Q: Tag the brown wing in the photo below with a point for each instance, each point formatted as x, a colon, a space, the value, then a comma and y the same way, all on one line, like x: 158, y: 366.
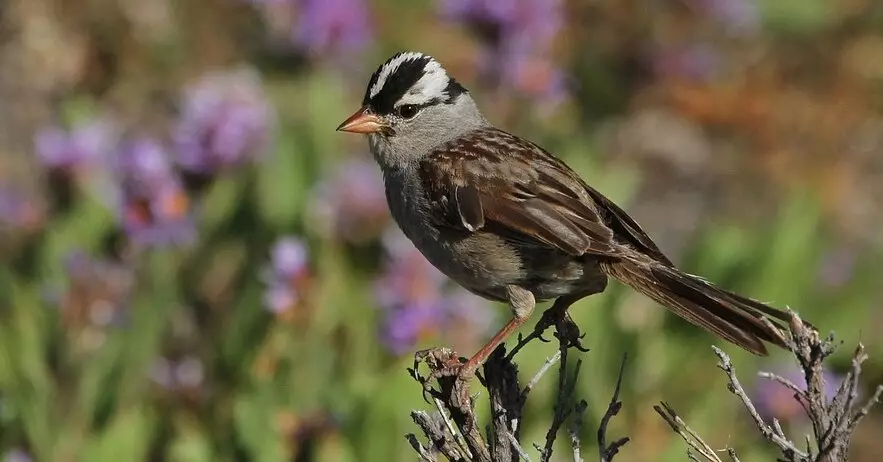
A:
x: 494, y: 180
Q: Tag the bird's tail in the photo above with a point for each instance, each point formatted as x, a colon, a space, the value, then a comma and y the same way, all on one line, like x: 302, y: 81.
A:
x: 726, y: 314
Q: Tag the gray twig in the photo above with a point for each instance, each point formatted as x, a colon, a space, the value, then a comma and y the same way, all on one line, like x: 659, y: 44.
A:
x: 450, y: 426
x: 563, y: 403
x: 693, y: 440
x: 833, y: 420
x: 425, y: 454
x: 774, y: 435
x: 605, y: 451
x: 576, y: 427
x: 517, y: 446
x: 540, y: 373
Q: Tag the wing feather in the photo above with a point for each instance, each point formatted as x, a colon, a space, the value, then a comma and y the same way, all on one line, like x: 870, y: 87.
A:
x: 492, y: 178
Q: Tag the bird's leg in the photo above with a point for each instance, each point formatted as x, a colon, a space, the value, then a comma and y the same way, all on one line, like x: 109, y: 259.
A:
x: 557, y: 315
x: 522, y: 303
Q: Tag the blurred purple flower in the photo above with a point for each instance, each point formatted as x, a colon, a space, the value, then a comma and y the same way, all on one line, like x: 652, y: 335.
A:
x: 226, y: 121
x: 103, y: 288
x: 17, y: 455
x: 519, y: 37
x: 740, y: 17
x: 287, y: 275
x: 17, y: 211
x: 84, y: 146
x: 470, y: 319
x: 406, y: 325
x: 153, y: 207
x: 418, y: 303
x: 351, y: 203
x: 322, y: 28
x: 332, y: 26
x: 94, y: 297
x: 774, y: 400
x: 408, y: 278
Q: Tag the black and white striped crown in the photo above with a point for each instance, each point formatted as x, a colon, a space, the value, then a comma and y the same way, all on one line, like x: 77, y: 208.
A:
x: 410, y: 78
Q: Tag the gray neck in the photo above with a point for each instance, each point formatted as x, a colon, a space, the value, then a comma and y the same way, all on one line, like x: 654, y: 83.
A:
x: 437, y: 125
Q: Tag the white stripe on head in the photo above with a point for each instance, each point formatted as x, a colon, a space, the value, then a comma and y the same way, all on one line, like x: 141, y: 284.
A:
x: 391, y: 67
x: 431, y: 86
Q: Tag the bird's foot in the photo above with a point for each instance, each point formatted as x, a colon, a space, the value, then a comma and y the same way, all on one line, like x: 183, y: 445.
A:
x: 568, y: 333
x: 442, y: 363
x: 567, y: 330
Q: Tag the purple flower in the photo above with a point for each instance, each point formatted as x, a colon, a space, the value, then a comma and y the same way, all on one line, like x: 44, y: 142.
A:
x: 740, y: 17
x: 153, y: 207
x: 352, y: 203
x: 408, y: 278
x: 774, y: 400
x: 406, y: 325
x: 18, y: 211
x: 287, y: 275
x: 17, y: 455
x: 470, y: 320
x: 418, y: 302
x: 84, y: 146
x: 226, y: 121
x: 332, y: 26
x: 520, y: 34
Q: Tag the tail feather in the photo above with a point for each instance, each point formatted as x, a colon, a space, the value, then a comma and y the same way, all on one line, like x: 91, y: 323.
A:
x: 731, y: 316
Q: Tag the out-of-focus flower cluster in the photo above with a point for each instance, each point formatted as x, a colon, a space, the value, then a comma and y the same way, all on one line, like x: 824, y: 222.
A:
x: 226, y: 121
x: 322, y: 28
x: 351, y: 203
x: 288, y: 276
x: 776, y: 401
x: 418, y: 302
x: 518, y: 38
x: 94, y: 298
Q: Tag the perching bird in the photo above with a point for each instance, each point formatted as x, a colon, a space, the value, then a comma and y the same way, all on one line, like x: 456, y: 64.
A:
x: 509, y: 221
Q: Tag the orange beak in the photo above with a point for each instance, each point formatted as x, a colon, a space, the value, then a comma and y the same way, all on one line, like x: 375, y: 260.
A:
x: 361, y: 122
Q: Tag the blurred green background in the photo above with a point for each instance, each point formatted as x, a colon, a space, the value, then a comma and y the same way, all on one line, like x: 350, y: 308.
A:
x: 196, y: 267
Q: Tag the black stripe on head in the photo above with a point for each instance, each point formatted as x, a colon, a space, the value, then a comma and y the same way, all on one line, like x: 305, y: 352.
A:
x: 392, y: 80
x: 454, y: 90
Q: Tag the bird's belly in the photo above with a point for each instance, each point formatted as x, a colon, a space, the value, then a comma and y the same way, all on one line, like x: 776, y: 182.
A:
x: 485, y: 264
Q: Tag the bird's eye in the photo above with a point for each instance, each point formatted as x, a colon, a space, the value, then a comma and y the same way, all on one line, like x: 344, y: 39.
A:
x: 407, y: 111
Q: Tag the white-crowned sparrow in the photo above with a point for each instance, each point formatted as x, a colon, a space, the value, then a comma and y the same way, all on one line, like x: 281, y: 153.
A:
x: 510, y: 222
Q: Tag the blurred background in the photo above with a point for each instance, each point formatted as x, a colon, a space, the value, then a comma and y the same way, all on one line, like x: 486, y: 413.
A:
x: 196, y: 267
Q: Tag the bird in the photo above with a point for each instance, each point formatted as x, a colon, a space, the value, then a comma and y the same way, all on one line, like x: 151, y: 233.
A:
x: 510, y: 222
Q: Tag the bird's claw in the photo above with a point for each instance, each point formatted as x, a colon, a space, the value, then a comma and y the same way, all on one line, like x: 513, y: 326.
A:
x: 442, y: 362
x: 568, y: 332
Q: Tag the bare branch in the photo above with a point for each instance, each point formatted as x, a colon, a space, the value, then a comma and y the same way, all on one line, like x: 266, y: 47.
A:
x: 515, y: 445
x: 453, y: 430
x: 788, y: 448
x: 605, y: 451
x: 833, y: 420
x: 545, y: 368
x: 693, y: 440
x: 425, y: 454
